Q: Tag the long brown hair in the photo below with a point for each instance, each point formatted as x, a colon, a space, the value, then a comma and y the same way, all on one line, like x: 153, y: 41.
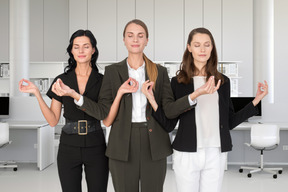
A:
x: 151, y: 67
x: 188, y: 68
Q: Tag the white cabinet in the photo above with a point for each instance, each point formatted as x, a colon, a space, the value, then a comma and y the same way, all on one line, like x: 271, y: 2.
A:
x: 49, y: 30
x: 193, y: 19
x: 49, y: 25
x: 78, y: 19
x: 4, y: 78
x: 169, y: 30
x: 230, y: 69
x: 169, y: 22
x: 123, y: 16
x: 145, y: 12
x: 36, y: 30
x: 102, y: 64
x: 237, y: 32
x: 102, y: 21
x: 4, y: 84
x: 42, y: 74
x: 56, y: 30
x: 4, y: 30
x: 4, y: 70
x: 172, y: 67
x: 212, y: 20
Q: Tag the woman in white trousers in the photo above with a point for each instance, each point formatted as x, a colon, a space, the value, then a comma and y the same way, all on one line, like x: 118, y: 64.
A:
x: 203, y: 136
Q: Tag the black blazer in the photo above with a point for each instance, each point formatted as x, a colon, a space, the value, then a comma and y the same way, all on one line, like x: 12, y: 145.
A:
x: 119, y: 139
x: 186, y: 138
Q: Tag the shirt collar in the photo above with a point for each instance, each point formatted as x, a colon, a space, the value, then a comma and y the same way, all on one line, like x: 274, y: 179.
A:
x: 140, y: 68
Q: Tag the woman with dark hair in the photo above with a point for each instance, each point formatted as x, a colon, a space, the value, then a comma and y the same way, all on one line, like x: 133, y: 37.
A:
x: 138, y: 146
x: 203, y: 136
x: 82, y: 141
x: 72, y: 63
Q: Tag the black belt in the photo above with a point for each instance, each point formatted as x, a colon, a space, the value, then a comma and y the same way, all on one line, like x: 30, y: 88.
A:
x: 81, y: 127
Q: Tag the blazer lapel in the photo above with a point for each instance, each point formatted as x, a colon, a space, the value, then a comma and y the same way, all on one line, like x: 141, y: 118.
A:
x: 123, y: 70
x: 124, y: 75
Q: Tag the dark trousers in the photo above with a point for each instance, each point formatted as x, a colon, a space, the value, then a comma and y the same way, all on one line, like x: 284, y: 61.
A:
x: 139, y: 169
x: 71, y: 161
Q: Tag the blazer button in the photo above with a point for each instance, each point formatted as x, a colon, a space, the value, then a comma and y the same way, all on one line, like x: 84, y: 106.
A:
x: 150, y: 130
x: 148, y: 118
x: 221, y: 126
x: 83, y: 109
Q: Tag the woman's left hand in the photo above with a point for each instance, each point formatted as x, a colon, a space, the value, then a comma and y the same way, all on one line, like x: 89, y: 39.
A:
x: 262, y: 91
x: 147, y: 90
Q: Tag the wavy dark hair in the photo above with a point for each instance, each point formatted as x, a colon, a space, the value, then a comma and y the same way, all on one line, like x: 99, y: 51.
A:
x: 188, y: 69
x: 71, y: 61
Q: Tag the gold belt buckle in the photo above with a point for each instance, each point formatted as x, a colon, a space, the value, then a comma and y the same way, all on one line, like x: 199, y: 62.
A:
x: 80, y: 128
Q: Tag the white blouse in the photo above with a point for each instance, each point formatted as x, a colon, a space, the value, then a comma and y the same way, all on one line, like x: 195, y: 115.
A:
x: 139, y: 100
x: 207, y: 117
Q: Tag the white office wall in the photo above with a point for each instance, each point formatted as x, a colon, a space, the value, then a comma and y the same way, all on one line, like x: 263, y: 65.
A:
x: 4, y: 30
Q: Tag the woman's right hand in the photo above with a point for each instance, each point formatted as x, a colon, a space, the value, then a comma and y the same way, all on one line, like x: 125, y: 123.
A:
x: 60, y: 89
x: 209, y: 87
x: 26, y: 86
x: 129, y: 86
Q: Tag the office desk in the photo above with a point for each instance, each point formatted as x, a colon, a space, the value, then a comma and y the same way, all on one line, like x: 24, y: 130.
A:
x: 247, y: 126
x: 31, y: 141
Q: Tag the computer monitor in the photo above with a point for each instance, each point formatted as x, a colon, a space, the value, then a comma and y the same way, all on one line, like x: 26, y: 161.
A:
x: 4, y: 107
x: 240, y: 102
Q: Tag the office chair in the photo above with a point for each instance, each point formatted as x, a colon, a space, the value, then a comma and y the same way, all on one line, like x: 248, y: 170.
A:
x: 4, y: 140
x: 264, y: 137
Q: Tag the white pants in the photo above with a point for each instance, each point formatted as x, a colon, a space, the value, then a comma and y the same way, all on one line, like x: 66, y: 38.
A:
x: 201, y: 171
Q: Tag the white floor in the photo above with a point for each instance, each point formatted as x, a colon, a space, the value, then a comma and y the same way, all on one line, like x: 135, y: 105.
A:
x: 29, y: 179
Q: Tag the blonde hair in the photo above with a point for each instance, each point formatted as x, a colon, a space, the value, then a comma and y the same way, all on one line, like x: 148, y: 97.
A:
x: 151, y: 69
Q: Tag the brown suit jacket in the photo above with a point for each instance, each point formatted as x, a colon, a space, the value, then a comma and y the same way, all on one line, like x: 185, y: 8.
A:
x: 119, y: 139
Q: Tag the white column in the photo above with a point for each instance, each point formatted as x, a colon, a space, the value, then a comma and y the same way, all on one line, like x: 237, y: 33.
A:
x: 263, y: 44
x: 19, y: 43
